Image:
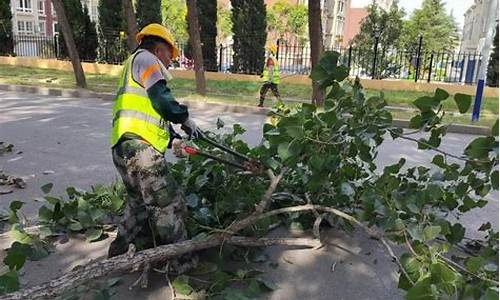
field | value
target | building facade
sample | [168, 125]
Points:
[33, 17]
[475, 26]
[335, 16]
[38, 17]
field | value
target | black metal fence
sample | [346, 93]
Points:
[417, 65]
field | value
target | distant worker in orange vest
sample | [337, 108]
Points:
[270, 75]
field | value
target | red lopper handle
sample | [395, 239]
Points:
[190, 150]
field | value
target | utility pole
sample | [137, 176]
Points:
[485, 54]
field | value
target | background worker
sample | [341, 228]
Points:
[143, 110]
[270, 75]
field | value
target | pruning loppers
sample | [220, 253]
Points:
[250, 165]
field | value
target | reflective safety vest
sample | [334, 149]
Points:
[133, 112]
[276, 71]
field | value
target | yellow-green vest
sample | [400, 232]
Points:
[133, 112]
[276, 71]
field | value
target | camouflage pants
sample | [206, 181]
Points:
[155, 206]
[265, 87]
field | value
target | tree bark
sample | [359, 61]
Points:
[128, 12]
[316, 42]
[70, 43]
[194, 39]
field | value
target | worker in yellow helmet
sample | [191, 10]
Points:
[143, 109]
[270, 75]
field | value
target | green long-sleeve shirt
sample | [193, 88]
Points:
[165, 104]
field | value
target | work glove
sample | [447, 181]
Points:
[190, 128]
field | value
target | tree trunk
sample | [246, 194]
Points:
[70, 43]
[128, 12]
[316, 42]
[195, 41]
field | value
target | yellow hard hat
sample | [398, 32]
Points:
[160, 31]
[272, 48]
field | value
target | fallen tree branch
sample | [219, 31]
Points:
[124, 263]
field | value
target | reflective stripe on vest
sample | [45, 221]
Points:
[276, 71]
[134, 113]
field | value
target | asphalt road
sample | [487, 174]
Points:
[68, 139]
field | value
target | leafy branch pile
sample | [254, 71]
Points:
[322, 171]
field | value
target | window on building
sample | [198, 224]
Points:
[20, 27]
[56, 28]
[25, 27]
[29, 27]
[41, 7]
[341, 7]
[24, 6]
[41, 27]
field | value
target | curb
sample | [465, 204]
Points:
[241, 109]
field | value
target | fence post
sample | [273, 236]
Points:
[349, 57]
[277, 48]
[220, 58]
[377, 36]
[56, 45]
[430, 68]
[417, 69]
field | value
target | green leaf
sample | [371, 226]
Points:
[181, 285]
[238, 129]
[457, 233]
[491, 294]
[416, 232]
[283, 151]
[416, 122]
[47, 187]
[463, 102]
[474, 264]
[16, 205]
[329, 61]
[318, 74]
[431, 232]
[52, 200]
[444, 277]
[220, 281]
[75, 226]
[426, 103]
[9, 282]
[39, 251]
[19, 235]
[441, 94]
[45, 214]
[267, 284]
[93, 234]
[494, 180]
[480, 147]
[421, 291]
[392, 169]
[438, 160]
[494, 129]
[17, 255]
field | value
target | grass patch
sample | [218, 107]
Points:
[237, 92]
